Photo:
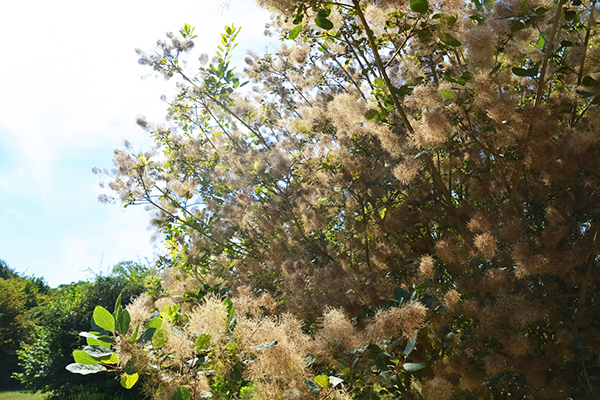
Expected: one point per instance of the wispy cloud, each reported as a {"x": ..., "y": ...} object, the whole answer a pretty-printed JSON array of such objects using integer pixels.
[{"x": 71, "y": 90}]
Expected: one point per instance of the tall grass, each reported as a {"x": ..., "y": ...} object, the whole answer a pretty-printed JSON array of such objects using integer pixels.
[
  {"x": 93, "y": 396},
  {"x": 15, "y": 395}
]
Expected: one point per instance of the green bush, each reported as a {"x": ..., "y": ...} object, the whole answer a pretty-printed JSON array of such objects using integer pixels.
[{"x": 50, "y": 350}]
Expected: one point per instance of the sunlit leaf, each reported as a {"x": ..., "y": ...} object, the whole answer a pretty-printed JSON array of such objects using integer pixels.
[
  {"x": 104, "y": 319},
  {"x": 85, "y": 369},
  {"x": 127, "y": 380}
]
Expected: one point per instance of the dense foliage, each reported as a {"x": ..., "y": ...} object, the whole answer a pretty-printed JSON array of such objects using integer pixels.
[
  {"x": 51, "y": 345},
  {"x": 395, "y": 148},
  {"x": 20, "y": 300}
]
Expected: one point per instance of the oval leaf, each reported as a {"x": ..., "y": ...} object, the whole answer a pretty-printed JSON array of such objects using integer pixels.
[
  {"x": 127, "y": 381},
  {"x": 117, "y": 309},
  {"x": 411, "y": 344},
  {"x": 323, "y": 23},
  {"x": 155, "y": 323},
  {"x": 124, "y": 321},
  {"x": 419, "y": 6},
  {"x": 313, "y": 387},
  {"x": 202, "y": 342},
  {"x": 85, "y": 369},
  {"x": 379, "y": 83},
  {"x": 112, "y": 359},
  {"x": 93, "y": 342},
  {"x": 523, "y": 72},
  {"x": 295, "y": 32},
  {"x": 146, "y": 336},
  {"x": 449, "y": 40},
  {"x": 129, "y": 368},
  {"x": 447, "y": 94},
  {"x": 97, "y": 351},
  {"x": 83, "y": 358},
  {"x": 323, "y": 381},
  {"x": 412, "y": 367},
  {"x": 104, "y": 319}
]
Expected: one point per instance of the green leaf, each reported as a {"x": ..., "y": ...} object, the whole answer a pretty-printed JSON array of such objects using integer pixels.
[
  {"x": 447, "y": 95},
  {"x": 203, "y": 342},
  {"x": 381, "y": 364},
  {"x": 411, "y": 344},
  {"x": 412, "y": 367},
  {"x": 495, "y": 69},
  {"x": 117, "y": 309},
  {"x": 231, "y": 346},
  {"x": 133, "y": 337},
  {"x": 159, "y": 338},
  {"x": 424, "y": 34},
  {"x": 96, "y": 339},
  {"x": 146, "y": 336},
  {"x": 400, "y": 294},
  {"x": 106, "y": 339},
  {"x": 570, "y": 15},
  {"x": 379, "y": 83},
  {"x": 313, "y": 387},
  {"x": 155, "y": 322},
  {"x": 403, "y": 90},
  {"x": 83, "y": 358},
  {"x": 449, "y": 40},
  {"x": 449, "y": 79},
  {"x": 371, "y": 114},
  {"x": 588, "y": 81},
  {"x": 541, "y": 41},
  {"x": 323, "y": 23},
  {"x": 266, "y": 346},
  {"x": 232, "y": 324},
  {"x": 295, "y": 32},
  {"x": 230, "y": 308},
  {"x": 419, "y": 6},
  {"x": 127, "y": 380},
  {"x": 566, "y": 43},
  {"x": 515, "y": 25},
  {"x": 111, "y": 359},
  {"x": 421, "y": 287},
  {"x": 584, "y": 93},
  {"x": 97, "y": 351},
  {"x": 524, "y": 72},
  {"x": 464, "y": 78},
  {"x": 323, "y": 381},
  {"x": 85, "y": 369},
  {"x": 93, "y": 342},
  {"x": 181, "y": 394},
  {"x": 124, "y": 321},
  {"x": 129, "y": 368},
  {"x": 104, "y": 319}
]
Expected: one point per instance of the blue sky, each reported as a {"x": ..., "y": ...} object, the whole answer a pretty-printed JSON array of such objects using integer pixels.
[{"x": 70, "y": 91}]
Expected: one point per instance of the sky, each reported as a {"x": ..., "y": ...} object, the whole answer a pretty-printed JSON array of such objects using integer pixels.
[{"x": 70, "y": 91}]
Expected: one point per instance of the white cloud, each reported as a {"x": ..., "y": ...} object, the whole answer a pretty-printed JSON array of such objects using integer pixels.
[{"x": 71, "y": 89}]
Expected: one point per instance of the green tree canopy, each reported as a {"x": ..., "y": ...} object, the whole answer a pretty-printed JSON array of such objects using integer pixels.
[{"x": 20, "y": 300}]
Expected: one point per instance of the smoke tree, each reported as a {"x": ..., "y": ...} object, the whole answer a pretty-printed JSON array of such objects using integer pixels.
[{"x": 393, "y": 161}]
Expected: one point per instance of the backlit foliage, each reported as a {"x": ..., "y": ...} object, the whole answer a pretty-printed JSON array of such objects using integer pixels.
[{"x": 442, "y": 148}]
